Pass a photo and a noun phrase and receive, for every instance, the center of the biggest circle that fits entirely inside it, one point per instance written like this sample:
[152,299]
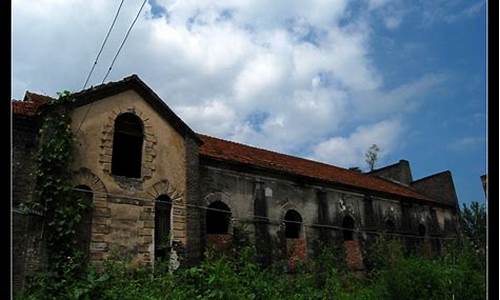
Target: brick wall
[219,242]
[296,252]
[354,259]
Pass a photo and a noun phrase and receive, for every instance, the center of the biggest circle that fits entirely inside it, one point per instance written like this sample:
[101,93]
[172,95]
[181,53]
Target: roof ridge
[283,154]
[363,175]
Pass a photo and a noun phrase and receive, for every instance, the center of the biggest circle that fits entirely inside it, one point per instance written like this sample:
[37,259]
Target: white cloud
[216,63]
[349,151]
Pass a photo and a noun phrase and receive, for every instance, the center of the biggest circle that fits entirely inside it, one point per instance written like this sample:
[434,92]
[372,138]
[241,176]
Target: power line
[112,63]
[102,46]
[123,42]
[253,217]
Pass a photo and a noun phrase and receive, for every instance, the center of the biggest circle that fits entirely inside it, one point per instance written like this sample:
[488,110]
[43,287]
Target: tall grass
[460,274]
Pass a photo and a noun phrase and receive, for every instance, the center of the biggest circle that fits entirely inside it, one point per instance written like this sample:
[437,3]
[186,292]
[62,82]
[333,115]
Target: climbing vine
[54,196]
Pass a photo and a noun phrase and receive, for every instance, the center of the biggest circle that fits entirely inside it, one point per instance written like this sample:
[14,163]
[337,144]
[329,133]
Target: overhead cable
[103,44]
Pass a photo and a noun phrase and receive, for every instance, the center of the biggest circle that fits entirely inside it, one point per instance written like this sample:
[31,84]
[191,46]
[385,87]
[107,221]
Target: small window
[348,225]
[293,224]
[127,146]
[218,218]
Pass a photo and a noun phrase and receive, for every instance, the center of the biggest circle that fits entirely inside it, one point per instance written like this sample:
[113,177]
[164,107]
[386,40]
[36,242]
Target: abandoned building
[158,187]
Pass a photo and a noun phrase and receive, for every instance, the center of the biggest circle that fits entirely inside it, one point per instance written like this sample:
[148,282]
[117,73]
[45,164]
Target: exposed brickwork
[354,258]
[296,252]
[219,242]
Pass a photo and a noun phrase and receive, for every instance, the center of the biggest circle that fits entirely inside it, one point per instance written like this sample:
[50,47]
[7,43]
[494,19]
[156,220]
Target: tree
[473,223]
[371,156]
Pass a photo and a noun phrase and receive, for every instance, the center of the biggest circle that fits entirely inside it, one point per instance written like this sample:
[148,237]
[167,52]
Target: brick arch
[178,209]
[219,196]
[164,187]
[149,145]
[100,213]
[85,177]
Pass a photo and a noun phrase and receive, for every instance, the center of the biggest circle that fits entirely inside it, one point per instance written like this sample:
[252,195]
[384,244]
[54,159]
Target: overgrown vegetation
[54,197]
[460,274]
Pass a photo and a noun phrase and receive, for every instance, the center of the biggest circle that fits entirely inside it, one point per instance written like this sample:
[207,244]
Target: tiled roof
[30,104]
[223,150]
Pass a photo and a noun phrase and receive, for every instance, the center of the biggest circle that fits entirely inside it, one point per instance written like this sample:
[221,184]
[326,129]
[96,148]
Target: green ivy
[54,196]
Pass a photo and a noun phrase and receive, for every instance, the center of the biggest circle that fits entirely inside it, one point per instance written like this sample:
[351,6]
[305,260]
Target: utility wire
[102,46]
[254,217]
[112,63]
[123,42]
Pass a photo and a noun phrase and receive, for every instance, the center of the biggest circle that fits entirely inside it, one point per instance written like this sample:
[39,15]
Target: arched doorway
[163,207]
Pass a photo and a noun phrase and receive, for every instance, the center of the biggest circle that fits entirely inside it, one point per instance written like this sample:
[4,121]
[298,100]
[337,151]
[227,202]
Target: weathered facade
[158,187]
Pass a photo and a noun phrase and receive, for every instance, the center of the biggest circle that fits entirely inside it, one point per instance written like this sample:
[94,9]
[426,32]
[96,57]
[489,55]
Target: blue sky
[318,79]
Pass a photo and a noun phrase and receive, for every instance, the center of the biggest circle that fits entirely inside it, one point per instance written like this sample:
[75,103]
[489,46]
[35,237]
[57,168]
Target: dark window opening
[348,225]
[389,226]
[127,146]
[218,220]
[84,228]
[293,224]
[421,230]
[162,226]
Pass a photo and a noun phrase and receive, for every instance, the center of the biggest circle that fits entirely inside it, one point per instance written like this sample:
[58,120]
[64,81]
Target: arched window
[421,230]
[84,228]
[127,146]
[348,224]
[162,226]
[218,219]
[293,224]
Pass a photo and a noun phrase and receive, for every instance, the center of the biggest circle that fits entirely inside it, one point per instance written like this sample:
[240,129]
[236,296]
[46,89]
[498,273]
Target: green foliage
[239,276]
[62,208]
[473,223]
[382,253]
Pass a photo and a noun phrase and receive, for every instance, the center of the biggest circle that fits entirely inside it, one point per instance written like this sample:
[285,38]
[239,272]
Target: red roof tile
[30,104]
[219,149]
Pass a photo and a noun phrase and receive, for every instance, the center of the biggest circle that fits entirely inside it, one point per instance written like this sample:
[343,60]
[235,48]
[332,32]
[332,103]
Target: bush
[239,276]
